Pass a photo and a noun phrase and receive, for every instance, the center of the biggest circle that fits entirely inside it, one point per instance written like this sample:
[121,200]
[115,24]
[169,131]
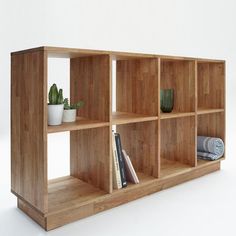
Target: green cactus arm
[60,97]
[77,105]
[66,104]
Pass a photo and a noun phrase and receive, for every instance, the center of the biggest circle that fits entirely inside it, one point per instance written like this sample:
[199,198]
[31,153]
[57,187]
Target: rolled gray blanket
[209,148]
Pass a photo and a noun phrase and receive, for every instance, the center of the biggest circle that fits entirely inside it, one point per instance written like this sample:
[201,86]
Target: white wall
[202,28]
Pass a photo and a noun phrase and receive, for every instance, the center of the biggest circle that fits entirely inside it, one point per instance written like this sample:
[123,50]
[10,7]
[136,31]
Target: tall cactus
[54,96]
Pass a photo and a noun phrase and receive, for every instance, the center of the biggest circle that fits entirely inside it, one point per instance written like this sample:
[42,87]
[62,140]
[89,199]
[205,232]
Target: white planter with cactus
[69,114]
[55,106]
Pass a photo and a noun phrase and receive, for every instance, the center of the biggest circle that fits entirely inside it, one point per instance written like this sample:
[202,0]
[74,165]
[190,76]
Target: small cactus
[54,96]
[77,105]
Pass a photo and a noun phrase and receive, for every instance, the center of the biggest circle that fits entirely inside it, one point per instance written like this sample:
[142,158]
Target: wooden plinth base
[73,212]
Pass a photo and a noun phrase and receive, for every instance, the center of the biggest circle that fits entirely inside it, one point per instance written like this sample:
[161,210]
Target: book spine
[121,160]
[116,168]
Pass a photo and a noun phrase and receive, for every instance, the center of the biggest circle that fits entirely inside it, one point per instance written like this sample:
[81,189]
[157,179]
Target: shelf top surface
[61,52]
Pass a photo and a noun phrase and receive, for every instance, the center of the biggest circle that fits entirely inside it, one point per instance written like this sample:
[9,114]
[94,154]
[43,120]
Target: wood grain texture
[90,82]
[90,157]
[178,140]
[212,125]
[162,147]
[137,86]
[126,118]
[139,140]
[62,52]
[29,128]
[180,76]
[211,86]
[79,124]
[105,202]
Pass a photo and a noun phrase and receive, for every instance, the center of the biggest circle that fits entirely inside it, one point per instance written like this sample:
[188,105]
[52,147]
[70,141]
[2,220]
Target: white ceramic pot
[55,113]
[69,115]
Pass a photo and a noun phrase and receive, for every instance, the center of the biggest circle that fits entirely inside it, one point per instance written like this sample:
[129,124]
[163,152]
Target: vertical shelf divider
[196,107]
[159,116]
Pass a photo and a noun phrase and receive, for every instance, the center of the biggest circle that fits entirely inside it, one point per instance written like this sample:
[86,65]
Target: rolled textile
[210,148]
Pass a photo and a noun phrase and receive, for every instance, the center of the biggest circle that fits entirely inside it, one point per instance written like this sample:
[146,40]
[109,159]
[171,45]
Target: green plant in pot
[69,114]
[55,105]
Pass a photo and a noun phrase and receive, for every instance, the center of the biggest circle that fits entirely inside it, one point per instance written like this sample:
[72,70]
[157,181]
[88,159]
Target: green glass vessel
[167,100]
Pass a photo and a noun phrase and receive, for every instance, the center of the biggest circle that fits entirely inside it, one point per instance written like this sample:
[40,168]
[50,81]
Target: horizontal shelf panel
[80,123]
[69,192]
[143,179]
[176,114]
[172,168]
[201,111]
[205,162]
[119,118]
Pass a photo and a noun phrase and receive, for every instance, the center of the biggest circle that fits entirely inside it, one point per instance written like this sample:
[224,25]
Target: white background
[203,28]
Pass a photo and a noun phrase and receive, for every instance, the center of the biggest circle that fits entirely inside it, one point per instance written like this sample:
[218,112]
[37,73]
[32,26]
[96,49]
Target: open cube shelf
[211,86]
[180,76]
[139,140]
[161,146]
[178,142]
[211,125]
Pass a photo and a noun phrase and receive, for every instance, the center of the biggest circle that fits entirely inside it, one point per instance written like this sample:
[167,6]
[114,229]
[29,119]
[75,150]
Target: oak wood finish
[178,140]
[180,76]
[90,156]
[119,118]
[101,203]
[212,125]
[29,128]
[90,82]
[211,88]
[137,86]
[162,146]
[79,124]
[140,142]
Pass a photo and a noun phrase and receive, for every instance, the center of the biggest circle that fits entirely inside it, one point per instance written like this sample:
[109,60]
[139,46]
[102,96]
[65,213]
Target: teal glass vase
[167,100]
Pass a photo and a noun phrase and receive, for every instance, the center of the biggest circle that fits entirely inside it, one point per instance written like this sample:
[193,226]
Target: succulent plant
[68,106]
[55,97]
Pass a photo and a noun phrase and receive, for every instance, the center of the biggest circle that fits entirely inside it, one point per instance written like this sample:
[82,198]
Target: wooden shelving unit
[162,146]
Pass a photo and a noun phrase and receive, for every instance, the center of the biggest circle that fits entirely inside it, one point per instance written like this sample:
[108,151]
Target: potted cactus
[69,114]
[55,105]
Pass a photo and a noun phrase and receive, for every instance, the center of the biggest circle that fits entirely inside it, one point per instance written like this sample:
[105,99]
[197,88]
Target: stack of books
[123,169]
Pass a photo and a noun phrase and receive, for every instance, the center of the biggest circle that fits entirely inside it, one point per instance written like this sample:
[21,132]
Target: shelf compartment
[176,115]
[90,82]
[178,140]
[68,192]
[169,167]
[180,76]
[126,117]
[137,86]
[143,179]
[90,157]
[79,124]
[202,111]
[211,125]
[139,140]
[211,85]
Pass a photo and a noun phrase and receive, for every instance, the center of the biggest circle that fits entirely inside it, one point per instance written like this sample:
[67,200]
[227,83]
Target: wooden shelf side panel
[180,76]
[211,85]
[90,82]
[139,140]
[90,156]
[137,86]
[178,140]
[29,128]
